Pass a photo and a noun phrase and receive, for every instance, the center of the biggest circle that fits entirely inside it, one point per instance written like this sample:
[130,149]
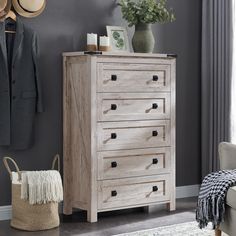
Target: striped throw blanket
[40,187]
[212,197]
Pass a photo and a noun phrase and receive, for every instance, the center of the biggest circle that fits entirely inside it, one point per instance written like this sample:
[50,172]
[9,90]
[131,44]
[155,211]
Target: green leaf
[146,11]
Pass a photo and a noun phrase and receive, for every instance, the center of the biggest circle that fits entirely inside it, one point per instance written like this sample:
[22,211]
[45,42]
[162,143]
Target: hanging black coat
[20,89]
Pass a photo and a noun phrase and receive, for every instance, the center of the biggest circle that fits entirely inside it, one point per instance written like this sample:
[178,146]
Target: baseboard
[181,192]
[187,191]
[5,212]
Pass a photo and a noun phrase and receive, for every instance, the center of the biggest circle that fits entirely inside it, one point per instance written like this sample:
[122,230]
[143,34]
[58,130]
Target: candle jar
[104,43]
[92,40]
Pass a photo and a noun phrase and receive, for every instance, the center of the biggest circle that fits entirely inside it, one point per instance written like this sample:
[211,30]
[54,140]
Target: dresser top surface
[118,54]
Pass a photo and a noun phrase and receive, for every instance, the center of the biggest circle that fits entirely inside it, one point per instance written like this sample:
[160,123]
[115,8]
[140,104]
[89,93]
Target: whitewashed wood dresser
[119,131]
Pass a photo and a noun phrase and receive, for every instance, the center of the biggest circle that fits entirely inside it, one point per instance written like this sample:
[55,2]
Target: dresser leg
[146,209]
[153,208]
[171,206]
[217,232]
[67,208]
[92,216]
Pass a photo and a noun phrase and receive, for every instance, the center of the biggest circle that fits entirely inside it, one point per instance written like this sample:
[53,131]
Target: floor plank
[117,222]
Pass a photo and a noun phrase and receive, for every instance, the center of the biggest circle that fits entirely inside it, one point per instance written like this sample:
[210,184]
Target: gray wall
[63,27]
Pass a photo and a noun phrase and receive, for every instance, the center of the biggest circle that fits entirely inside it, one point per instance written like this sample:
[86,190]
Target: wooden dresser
[119,131]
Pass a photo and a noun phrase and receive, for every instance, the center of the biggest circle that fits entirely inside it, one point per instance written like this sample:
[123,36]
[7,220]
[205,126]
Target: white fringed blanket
[40,187]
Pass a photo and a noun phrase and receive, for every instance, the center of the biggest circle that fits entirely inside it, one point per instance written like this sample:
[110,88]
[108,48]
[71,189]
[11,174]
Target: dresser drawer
[133,77]
[133,106]
[130,163]
[133,191]
[133,134]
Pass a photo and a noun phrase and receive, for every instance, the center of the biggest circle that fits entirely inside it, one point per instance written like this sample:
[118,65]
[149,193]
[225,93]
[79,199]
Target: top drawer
[133,77]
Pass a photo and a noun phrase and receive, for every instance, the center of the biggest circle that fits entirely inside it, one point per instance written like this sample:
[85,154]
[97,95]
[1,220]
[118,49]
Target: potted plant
[142,14]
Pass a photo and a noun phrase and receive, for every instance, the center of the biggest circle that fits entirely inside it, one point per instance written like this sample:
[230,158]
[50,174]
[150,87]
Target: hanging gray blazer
[20,93]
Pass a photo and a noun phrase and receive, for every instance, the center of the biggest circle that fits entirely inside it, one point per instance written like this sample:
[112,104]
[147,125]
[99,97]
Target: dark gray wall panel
[63,27]
[184,38]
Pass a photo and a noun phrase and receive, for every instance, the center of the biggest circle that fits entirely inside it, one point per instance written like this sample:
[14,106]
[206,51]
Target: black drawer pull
[113,107]
[113,193]
[154,106]
[114,164]
[155,78]
[114,77]
[154,133]
[154,161]
[113,135]
[154,188]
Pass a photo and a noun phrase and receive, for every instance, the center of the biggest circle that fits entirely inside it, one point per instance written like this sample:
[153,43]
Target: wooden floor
[115,222]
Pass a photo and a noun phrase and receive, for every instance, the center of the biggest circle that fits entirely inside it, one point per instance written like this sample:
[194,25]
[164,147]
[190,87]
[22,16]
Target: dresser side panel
[67,161]
[92,74]
[172,204]
[78,141]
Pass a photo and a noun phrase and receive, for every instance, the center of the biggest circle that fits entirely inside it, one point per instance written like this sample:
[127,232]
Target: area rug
[185,229]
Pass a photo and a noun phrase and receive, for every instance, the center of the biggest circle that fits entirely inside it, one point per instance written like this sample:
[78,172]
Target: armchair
[227,156]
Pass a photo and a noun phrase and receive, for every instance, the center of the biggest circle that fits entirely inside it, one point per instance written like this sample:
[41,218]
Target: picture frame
[118,38]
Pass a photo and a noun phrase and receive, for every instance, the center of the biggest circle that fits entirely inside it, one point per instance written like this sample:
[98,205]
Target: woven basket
[31,217]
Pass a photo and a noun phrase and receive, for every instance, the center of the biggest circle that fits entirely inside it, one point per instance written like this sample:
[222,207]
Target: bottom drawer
[133,191]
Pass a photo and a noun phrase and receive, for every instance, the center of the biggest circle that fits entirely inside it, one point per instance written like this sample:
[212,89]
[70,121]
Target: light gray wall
[63,27]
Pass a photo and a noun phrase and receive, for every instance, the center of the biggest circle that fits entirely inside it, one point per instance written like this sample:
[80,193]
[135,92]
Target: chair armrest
[227,155]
